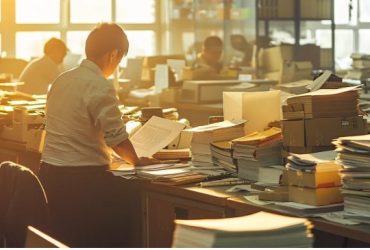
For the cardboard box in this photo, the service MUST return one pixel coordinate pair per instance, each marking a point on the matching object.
(315, 196)
(205, 91)
(321, 131)
(274, 57)
(323, 177)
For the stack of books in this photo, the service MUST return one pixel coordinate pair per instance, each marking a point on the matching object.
(354, 156)
(203, 136)
(257, 150)
(222, 155)
(256, 230)
(360, 67)
(314, 179)
(313, 120)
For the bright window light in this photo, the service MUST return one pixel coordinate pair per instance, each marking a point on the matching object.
(37, 11)
(137, 11)
(31, 44)
(91, 11)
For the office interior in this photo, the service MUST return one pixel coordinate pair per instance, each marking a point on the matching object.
(274, 129)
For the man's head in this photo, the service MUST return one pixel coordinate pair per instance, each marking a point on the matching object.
(106, 45)
(55, 49)
(212, 50)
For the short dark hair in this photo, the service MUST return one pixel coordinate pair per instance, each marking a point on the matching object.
(212, 42)
(104, 38)
(54, 44)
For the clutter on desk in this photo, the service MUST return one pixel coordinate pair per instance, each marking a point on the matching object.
(202, 136)
(353, 155)
(360, 67)
(22, 117)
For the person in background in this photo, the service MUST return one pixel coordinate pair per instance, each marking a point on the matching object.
(211, 54)
(41, 72)
(83, 125)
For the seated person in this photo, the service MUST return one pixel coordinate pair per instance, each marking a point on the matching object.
(208, 64)
(40, 72)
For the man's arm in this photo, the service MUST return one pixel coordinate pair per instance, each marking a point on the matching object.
(127, 152)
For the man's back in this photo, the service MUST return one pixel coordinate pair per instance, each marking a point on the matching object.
(38, 74)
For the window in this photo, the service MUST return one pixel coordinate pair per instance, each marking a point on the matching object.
(34, 11)
(364, 46)
(138, 11)
(76, 41)
(141, 43)
(91, 11)
(34, 46)
(364, 11)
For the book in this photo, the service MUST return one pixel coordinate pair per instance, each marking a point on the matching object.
(173, 154)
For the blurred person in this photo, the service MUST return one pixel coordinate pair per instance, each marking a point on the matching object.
(41, 72)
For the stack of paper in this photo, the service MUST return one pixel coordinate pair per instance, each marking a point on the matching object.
(314, 178)
(354, 156)
(204, 135)
(222, 155)
(323, 103)
(257, 230)
(173, 154)
(256, 150)
(174, 174)
(360, 67)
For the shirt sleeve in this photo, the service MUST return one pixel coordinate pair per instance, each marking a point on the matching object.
(103, 108)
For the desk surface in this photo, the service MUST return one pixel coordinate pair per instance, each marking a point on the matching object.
(218, 196)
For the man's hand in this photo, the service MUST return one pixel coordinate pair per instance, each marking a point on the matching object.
(143, 161)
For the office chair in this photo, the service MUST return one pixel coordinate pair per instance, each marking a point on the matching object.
(12, 66)
(36, 238)
(22, 203)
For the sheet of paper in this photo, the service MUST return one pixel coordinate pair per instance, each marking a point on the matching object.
(156, 134)
(338, 217)
(238, 188)
(258, 108)
(161, 80)
(177, 66)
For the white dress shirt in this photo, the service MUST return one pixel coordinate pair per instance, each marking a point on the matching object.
(38, 74)
(83, 121)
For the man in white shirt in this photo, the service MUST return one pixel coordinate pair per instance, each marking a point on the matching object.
(41, 72)
(83, 125)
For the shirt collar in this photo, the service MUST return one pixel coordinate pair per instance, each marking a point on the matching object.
(92, 66)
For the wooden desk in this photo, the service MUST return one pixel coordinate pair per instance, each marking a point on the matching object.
(161, 205)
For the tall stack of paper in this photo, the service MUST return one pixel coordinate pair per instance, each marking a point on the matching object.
(222, 155)
(313, 120)
(314, 179)
(360, 67)
(203, 136)
(257, 150)
(257, 230)
(354, 156)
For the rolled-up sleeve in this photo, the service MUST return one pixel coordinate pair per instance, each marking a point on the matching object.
(103, 108)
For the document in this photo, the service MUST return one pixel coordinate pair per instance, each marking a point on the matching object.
(258, 108)
(156, 134)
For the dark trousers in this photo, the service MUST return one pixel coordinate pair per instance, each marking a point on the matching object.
(87, 206)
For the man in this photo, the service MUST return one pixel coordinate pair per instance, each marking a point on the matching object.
(209, 60)
(83, 124)
(41, 72)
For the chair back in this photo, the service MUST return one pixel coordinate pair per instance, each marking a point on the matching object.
(36, 238)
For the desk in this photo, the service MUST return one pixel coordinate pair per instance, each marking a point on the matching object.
(161, 205)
